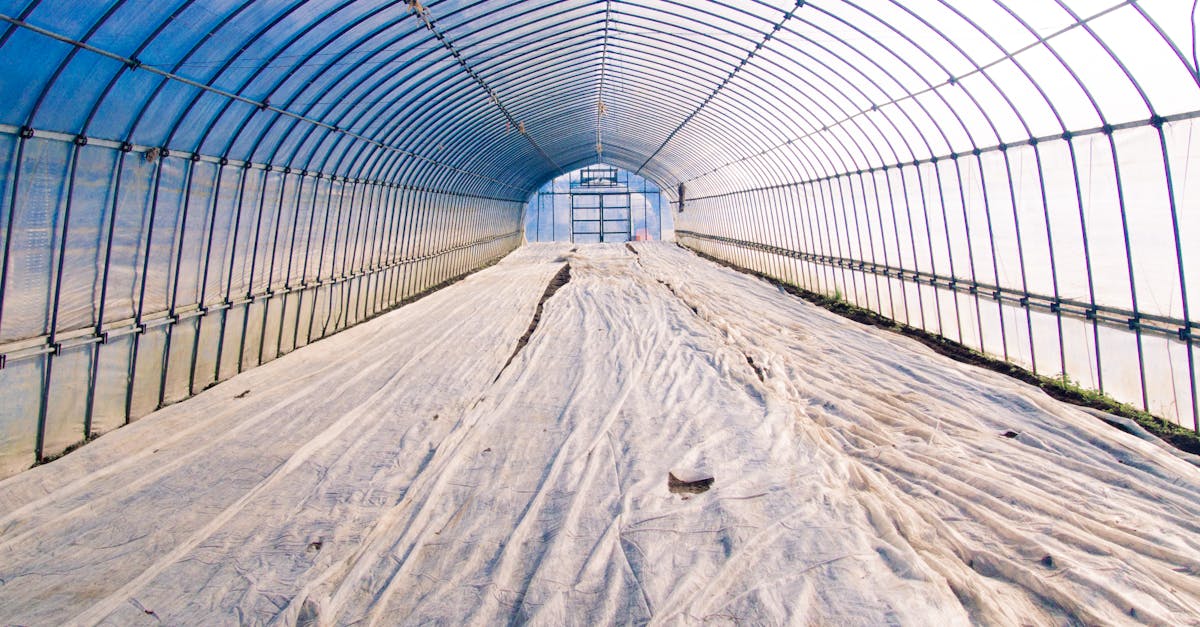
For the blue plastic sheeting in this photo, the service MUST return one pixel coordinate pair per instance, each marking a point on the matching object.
(1016, 173)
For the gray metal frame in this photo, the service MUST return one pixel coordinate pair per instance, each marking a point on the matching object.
(188, 193)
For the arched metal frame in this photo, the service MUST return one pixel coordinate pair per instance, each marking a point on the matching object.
(192, 188)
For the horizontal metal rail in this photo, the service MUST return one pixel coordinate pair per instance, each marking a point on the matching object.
(27, 348)
(1157, 121)
(1117, 317)
(29, 133)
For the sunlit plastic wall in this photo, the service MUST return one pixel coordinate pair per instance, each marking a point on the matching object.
(1076, 255)
(133, 279)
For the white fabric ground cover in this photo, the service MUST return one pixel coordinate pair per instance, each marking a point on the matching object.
(381, 476)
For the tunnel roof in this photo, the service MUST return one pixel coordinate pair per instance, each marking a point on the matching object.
(497, 97)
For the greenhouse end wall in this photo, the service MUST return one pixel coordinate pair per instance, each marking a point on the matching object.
(134, 278)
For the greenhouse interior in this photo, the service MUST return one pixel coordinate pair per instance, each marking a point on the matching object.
(574, 312)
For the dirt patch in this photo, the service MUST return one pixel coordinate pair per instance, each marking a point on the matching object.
(671, 288)
(757, 370)
(677, 486)
(562, 278)
(429, 290)
(70, 449)
(1169, 432)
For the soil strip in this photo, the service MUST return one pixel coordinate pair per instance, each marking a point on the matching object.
(1171, 433)
(562, 278)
